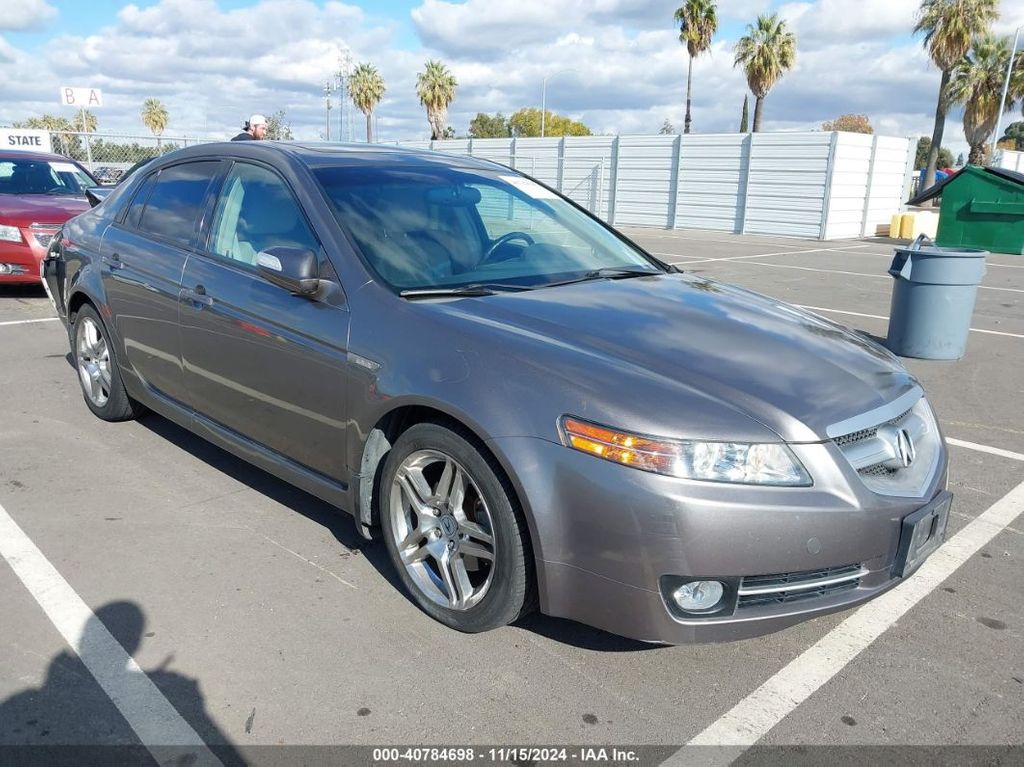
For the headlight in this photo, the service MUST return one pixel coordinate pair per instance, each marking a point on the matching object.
(740, 463)
(10, 233)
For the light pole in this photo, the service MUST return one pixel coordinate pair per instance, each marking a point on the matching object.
(344, 71)
(327, 97)
(544, 96)
(1006, 88)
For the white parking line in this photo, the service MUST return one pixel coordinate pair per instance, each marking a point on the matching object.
(28, 322)
(155, 721)
(986, 449)
(882, 317)
(700, 259)
(754, 716)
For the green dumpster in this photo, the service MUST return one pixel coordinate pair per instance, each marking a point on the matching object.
(982, 209)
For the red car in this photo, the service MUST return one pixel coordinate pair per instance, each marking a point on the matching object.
(38, 193)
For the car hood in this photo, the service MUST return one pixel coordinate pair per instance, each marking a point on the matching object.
(22, 210)
(792, 371)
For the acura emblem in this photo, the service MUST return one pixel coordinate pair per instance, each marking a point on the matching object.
(905, 447)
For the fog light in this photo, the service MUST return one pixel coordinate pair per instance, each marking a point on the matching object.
(698, 596)
(12, 269)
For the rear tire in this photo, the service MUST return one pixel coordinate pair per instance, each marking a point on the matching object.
(457, 541)
(98, 373)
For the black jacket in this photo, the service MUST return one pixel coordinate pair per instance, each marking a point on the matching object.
(243, 136)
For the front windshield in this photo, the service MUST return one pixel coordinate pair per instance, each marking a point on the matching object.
(439, 227)
(31, 176)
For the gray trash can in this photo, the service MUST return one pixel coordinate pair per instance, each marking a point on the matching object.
(933, 299)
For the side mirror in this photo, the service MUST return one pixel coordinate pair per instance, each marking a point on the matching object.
(294, 269)
(97, 194)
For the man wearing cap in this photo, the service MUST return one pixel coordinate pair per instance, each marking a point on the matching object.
(255, 129)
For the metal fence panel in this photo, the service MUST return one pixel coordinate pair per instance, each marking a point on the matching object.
(540, 158)
(452, 146)
(851, 175)
(787, 184)
(497, 149)
(645, 178)
(712, 181)
(1010, 160)
(893, 156)
(587, 172)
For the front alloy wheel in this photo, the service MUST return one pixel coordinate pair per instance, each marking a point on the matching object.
(93, 362)
(459, 544)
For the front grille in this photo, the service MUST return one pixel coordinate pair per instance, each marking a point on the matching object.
(43, 233)
(855, 437)
(782, 588)
(785, 597)
(878, 470)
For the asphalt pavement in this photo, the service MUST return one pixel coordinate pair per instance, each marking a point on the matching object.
(263, 619)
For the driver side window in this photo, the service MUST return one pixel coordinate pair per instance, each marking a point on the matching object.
(256, 210)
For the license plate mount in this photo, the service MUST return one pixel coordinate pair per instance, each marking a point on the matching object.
(922, 533)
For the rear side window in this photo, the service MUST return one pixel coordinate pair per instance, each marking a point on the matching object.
(176, 202)
(139, 203)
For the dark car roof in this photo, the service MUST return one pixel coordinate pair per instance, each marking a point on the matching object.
(17, 154)
(316, 154)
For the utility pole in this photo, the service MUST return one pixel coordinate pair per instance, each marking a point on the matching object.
(544, 96)
(344, 72)
(327, 98)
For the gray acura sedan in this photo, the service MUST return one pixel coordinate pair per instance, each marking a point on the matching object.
(529, 410)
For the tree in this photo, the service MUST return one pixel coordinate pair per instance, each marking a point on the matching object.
(849, 123)
(278, 127)
(489, 126)
(85, 121)
(766, 53)
(667, 129)
(449, 133)
(948, 27)
(367, 88)
(745, 116)
(977, 83)
(154, 117)
(69, 145)
(526, 122)
(960, 160)
(924, 146)
(698, 21)
(435, 87)
(1014, 134)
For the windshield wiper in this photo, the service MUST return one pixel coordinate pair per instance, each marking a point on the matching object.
(476, 289)
(605, 273)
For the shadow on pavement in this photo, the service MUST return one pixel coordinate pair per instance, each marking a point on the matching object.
(71, 720)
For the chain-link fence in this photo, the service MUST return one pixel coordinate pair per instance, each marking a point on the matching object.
(107, 155)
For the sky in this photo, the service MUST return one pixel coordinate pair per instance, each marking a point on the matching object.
(616, 65)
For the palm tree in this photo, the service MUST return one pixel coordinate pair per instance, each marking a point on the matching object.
(154, 117)
(977, 83)
(436, 88)
(697, 24)
(949, 26)
(766, 52)
(367, 89)
(85, 121)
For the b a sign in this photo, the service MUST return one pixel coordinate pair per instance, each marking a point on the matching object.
(81, 98)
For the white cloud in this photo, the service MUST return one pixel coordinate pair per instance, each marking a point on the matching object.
(20, 15)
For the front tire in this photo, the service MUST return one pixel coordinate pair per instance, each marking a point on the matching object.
(457, 541)
(98, 373)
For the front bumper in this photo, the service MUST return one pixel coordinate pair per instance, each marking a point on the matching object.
(19, 263)
(605, 535)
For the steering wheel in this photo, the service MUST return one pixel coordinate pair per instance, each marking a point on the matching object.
(502, 240)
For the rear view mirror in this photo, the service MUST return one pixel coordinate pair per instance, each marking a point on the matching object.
(97, 194)
(454, 195)
(294, 269)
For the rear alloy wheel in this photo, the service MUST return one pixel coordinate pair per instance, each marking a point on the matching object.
(451, 531)
(97, 369)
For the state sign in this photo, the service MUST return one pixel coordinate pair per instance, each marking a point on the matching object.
(25, 140)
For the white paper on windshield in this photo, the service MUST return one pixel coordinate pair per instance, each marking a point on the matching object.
(63, 167)
(530, 188)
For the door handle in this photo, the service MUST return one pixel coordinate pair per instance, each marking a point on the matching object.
(197, 296)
